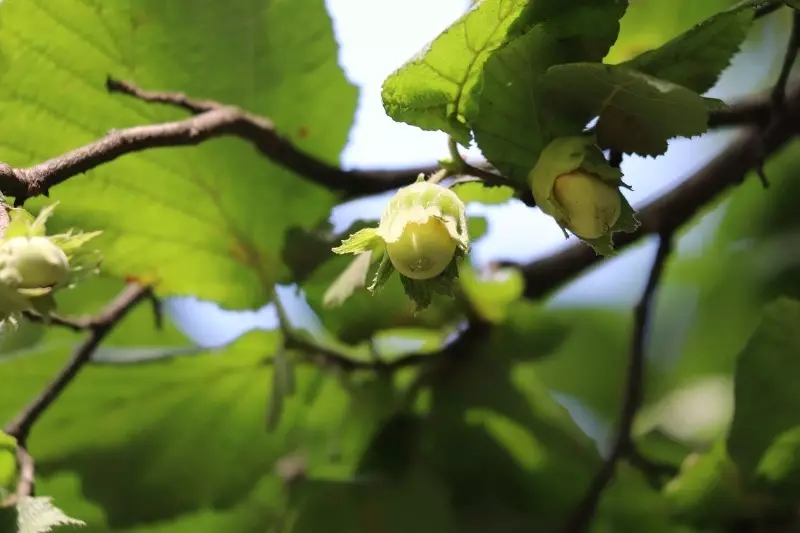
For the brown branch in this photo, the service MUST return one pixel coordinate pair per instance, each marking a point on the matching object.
(667, 213)
(99, 327)
(623, 447)
(24, 183)
(261, 132)
(213, 120)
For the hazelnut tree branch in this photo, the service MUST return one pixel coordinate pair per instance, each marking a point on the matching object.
(262, 134)
(99, 327)
(213, 120)
(623, 446)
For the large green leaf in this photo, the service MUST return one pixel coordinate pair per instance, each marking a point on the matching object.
(708, 489)
(501, 442)
(433, 90)
(767, 372)
(177, 435)
(637, 113)
(512, 121)
(210, 220)
(719, 294)
(697, 57)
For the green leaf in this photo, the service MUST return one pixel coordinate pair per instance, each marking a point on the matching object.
(637, 113)
(491, 294)
(210, 220)
(352, 278)
(696, 58)
(8, 465)
(38, 515)
(19, 225)
(305, 250)
(363, 314)
(419, 292)
(422, 292)
(629, 502)
(502, 443)
(382, 274)
(512, 121)
(477, 191)
(432, 90)
(708, 489)
(193, 426)
(477, 227)
(767, 372)
(585, 351)
(364, 240)
(779, 468)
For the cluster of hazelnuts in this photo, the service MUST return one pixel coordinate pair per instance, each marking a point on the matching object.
(423, 229)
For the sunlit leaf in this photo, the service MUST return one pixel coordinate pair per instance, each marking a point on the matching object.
(207, 221)
(432, 90)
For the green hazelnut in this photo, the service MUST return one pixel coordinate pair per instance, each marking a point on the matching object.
(34, 262)
(590, 205)
(423, 250)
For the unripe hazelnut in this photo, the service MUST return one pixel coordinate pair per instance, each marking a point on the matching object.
(423, 250)
(591, 205)
(36, 260)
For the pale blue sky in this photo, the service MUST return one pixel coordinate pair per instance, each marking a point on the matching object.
(370, 49)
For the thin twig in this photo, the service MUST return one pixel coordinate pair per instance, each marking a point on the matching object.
(670, 211)
(99, 327)
(176, 99)
(623, 447)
